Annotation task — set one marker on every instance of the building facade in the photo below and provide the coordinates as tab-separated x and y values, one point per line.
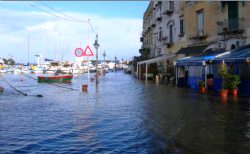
187	28
217	25
161	34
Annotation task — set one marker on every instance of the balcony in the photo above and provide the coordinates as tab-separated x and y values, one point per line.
199	36
159	18
169	8
167	42
231	26
168	11
141	39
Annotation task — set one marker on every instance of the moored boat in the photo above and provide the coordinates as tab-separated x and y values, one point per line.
55	78
2	71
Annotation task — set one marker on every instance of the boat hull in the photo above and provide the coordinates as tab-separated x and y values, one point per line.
52	79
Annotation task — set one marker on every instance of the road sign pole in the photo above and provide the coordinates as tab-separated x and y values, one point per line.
88	68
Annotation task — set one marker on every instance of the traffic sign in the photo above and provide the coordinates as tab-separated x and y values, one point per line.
79	52
88	52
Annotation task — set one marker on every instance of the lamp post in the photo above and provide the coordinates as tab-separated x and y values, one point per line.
115	63
96	45
104	55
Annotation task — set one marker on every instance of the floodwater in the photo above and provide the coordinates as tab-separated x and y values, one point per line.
121	115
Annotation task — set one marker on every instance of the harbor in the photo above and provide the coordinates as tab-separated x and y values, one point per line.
156	77
148	117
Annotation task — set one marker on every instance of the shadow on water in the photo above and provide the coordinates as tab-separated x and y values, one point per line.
120	115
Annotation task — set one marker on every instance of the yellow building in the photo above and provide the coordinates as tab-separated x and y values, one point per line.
233	24
187	28
215	24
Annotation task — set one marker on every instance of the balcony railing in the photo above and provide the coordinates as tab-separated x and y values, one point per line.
169	9
159	18
167	42
141	39
231	26
200	35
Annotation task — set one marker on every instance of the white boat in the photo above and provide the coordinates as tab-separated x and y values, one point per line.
2	71
111	65
66	70
17	71
92	69
51	70
25	71
76	71
37	70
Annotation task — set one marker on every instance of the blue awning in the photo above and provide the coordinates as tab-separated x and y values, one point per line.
236	56
199	60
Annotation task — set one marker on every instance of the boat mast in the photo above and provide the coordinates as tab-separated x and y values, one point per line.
28	49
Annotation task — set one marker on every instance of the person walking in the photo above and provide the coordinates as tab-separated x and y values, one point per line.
1	89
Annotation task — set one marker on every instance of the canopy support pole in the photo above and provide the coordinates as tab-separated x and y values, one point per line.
205	67
176	75
146	72
137	70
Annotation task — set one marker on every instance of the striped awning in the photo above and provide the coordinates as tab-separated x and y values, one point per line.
157	59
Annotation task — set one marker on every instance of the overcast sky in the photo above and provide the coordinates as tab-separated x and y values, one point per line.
118	24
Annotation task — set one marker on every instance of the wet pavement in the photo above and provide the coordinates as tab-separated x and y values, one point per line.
121	115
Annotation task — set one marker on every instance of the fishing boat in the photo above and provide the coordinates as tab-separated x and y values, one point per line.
55	78
2	71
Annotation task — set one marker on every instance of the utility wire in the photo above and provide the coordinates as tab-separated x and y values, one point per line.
65	15
14	87
17	89
61	12
92	28
50	13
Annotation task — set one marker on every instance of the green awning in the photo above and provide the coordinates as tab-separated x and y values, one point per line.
193	50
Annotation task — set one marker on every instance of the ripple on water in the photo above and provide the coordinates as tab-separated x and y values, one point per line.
122	115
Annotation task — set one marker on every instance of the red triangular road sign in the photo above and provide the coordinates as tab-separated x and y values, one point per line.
88	52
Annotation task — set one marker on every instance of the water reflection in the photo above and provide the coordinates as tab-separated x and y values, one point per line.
120	115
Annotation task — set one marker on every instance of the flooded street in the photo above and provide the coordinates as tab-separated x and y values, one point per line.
121	115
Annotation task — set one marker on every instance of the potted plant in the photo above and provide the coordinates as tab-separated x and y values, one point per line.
223	73
233	81
202	88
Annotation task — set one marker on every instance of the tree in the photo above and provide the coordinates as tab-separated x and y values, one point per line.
9	61
5	61
144	53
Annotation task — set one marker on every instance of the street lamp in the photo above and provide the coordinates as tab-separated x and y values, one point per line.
104	55
115	63
96	45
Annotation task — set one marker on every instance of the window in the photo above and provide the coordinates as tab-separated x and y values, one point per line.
233	16
160	5
181	27
171	5
170	34
200	22
160	35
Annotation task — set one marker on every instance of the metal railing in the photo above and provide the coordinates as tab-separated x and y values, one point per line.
228	26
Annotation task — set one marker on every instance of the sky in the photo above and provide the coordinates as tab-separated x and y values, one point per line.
54	33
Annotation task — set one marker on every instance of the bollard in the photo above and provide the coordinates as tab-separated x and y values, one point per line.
84	88
1	89
21	79
92	79
157	79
